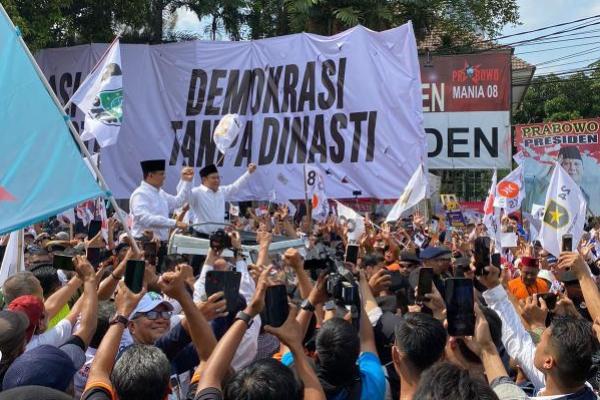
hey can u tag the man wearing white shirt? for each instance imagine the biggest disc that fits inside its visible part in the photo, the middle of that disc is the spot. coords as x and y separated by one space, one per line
151 206
562 360
207 201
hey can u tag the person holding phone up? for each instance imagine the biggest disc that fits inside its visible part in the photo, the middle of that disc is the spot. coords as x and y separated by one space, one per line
247 288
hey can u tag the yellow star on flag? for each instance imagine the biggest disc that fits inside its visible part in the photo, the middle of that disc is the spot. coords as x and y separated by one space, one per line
556 215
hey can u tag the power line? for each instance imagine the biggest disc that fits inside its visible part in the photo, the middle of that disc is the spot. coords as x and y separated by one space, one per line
554 79
559 48
506 46
569 71
540 29
551 34
561 74
569 63
568 56
551 39
560 80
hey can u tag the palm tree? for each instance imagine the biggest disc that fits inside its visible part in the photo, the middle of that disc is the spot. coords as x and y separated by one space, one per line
228 14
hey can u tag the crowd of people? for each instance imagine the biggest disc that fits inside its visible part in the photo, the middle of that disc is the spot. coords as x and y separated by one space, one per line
83 333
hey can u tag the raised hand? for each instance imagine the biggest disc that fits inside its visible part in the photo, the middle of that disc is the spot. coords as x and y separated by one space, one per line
187 174
214 307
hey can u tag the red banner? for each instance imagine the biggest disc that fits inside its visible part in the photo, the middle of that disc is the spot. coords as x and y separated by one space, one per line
471 82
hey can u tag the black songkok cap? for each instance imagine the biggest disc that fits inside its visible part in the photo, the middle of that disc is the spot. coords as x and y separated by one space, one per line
153 166
209 169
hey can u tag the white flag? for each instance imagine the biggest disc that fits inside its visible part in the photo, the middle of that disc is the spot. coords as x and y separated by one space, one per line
100 97
292 210
537 211
316 194
273 196
226 131
564 211
510 191
101 214
14 260
519 158
85 212
414 192
356 222
67 216
234 210
491 217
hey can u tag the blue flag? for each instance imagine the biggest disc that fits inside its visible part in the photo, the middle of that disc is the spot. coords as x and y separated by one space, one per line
41 169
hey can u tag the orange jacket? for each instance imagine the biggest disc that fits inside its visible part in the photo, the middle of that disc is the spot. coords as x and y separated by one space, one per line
520 291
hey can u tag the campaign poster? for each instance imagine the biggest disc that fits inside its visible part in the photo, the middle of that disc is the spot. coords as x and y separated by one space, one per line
573 144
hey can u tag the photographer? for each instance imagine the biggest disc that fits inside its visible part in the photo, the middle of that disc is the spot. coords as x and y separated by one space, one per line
347 362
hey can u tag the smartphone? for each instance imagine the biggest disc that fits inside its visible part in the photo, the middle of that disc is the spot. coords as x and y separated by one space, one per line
481 253
64 262
550 299
134 275
425 282
276 306
397 281
459 307
567 242
150 252
315 264
93 256
459 271
496 260
227 282
351 253
93 228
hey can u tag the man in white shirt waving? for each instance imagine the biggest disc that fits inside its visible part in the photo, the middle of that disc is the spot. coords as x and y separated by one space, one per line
151 206
207 201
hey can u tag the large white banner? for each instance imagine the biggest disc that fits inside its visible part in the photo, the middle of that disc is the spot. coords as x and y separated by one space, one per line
350 103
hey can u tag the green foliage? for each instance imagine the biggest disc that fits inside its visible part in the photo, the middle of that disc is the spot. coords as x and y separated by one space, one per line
456 16
41 22
556 98
50 23
53 23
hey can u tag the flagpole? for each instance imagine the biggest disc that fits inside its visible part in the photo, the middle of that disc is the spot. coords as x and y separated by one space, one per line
68 103
20 252
220 158
72 129
306 204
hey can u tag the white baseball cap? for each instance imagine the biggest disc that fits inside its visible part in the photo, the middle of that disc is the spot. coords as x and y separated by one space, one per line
149 302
